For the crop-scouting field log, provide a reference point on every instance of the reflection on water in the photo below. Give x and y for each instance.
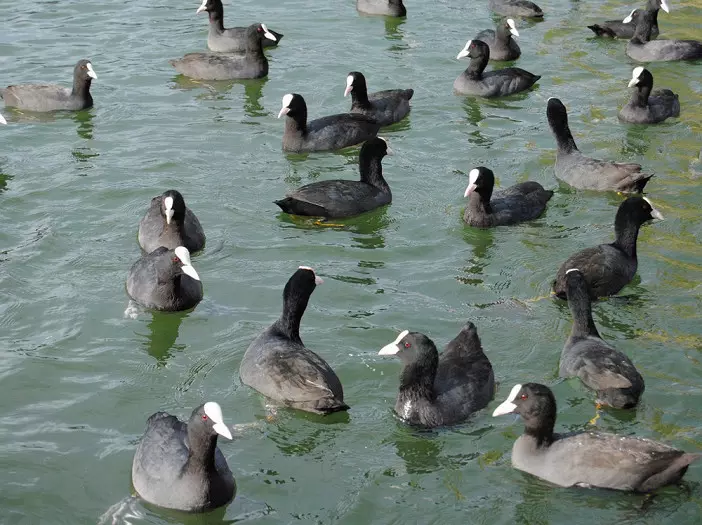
(253, 92)
(4, 178)
(420, 450)
(163, 333)
(637, 140)
(395, 34)
(312, 431)
(482, 239)
(219, 90)
(84, 119)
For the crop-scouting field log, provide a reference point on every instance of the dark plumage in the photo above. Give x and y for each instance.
(230, 40)
(165, 280)
(326, 133)
(179, 466)
(386, 107)
(645, 106)
(228, 66)
(278, 365)
(643, 49)
(585, 355)
(607, 268)
(496, 83)
(621, 29)
(586, 459)
(518, 203)
(444, 389)
(522, 8)
(502, 45)
(583, 172)
(345, 198)
(381, 7)
(50, 97)
(169, 222)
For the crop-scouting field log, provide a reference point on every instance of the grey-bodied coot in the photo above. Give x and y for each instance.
(165, 280)
(586, 459)
(643, 49)
(502, 45)
(386, 107)
(169, 222)
(584, 172)
(622, 29)
(326, 133)
(252, 63)
(230, 40)
(607, 268)
(646, 106)
(50, 97)
(496, 83)
(345, 198)
(278, 365)
(437, 390)
(600, 367)
(523, 8)
(381, 7)
(178, 465)
(522, 202)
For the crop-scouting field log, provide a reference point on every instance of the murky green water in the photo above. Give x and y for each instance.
(79, 379)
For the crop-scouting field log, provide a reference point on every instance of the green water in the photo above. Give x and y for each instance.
(78, 378)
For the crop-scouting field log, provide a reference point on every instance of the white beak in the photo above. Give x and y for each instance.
(512, 27)
(633, 82)
(202, 8)
(463, 53)
(470, 189)
(214, 412)
(349, 85)
(184, 255)
(629, 18)
(283, 111)
(168, 203)
(268, 34)
(508, 406)
(2, 120)
(91, 71)
(657, 214)
(394, 347)
(664, 6)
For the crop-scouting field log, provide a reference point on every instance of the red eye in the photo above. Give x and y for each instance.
(259, 29)
(175, 259)
(204, 417)
(523, 396)
(407, 345)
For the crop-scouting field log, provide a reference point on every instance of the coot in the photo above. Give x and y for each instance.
(523, 8)
(586, 459)
(169, 222)
(386, 107)
(279, 366)
(646, 107)
(502, 45)
(607, 268)
(381, 7)
(643, 49)
(444, 389)
(229, 40)
(621, 29)
(179, 466)
(583, 172)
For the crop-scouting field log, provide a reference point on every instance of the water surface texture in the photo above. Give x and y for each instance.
(79, 379)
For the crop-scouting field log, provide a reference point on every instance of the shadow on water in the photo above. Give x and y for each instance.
(163, 333)
(481, 239)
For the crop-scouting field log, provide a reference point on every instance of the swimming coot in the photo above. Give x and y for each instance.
(502, 45)
(621, 29)
(583, 172)
(607, 268)
(381, 7)
(496, 83)
(386, 107)
(179, 466)
(326, 133)
(643, 49)
(523, 8)
(229, 66)
(646, 107)
(230, 40)
(518, 203)
(444, 389)
(169, 222)
(585, 355)
(165, 280)
(279, 366)
(43, 97)
(586, 459)
(345, 198)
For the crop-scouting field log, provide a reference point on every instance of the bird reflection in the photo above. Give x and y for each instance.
(482, 239)
(419, 450)
(394, 33)
(4, 178)
(163, 333)
(219, 89)
(84, 119)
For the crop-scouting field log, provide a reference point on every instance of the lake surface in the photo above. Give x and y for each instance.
(79, 378)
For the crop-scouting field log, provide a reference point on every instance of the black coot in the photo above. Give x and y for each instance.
(583, 172)
(496, 83)
(607, 268)
(518, 203)
(230, 40)
(169, 222)
(381, 7)
(600, 367)
(502, 45)
(279, 366)
(386, 107)
(251, 63)
(444, 389)
(523, 8)
(326, 133)
(43, 97)
(586, 459)
(179, 466)
(622, 29)
(165, 280)
(643, 49)
(645, 106)
(345, 198)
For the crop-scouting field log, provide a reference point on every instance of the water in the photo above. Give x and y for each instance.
(79, 378)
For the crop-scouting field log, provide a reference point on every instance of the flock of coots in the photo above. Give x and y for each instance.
(178, 464)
